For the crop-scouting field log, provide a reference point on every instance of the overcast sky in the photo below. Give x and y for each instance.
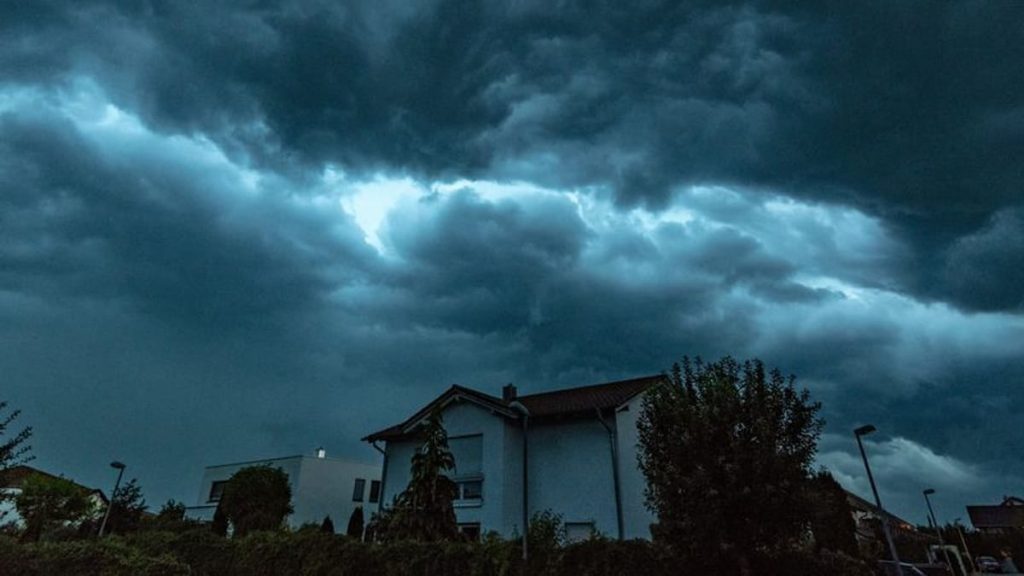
(235, 232)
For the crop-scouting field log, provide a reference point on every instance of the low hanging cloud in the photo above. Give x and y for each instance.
(903, 469)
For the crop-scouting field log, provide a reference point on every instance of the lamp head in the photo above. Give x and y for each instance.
(864, 430)
(929, 491)
(118, 465)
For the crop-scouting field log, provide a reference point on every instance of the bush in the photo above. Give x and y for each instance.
(603, 557)
(108, 557)
(807, 563)
(314, 553)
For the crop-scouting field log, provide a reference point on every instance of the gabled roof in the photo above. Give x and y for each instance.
(14, 477)
(586, 399)
(1009, 514)
(565, 402)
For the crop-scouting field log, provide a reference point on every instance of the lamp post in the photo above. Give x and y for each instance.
(120, 472)
(938, 532)
(864, 431)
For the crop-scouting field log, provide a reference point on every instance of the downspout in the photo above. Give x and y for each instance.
(526, 476)
(613, 444)
(383, 475)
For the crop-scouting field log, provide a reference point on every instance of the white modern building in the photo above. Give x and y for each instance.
(321, 487)
(572, 451)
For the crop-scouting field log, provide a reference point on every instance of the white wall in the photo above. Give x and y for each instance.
(571, 473)
(325, 487)
(570, 470)
(636, 518)
(463, 418)
(320, 487)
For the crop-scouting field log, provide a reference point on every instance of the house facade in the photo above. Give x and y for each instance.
(11, 482)
(321, 487)
(572, 451)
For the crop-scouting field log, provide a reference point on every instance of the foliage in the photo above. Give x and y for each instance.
(355, 523)
(219, 524)
(313, 553)
(14, 448)
(832, 521)
(327, 526)
(545, 537)
(126, 510)
(256, 498)
(171, 517)
(47, 503)
(604, 557)
(727, 449)
(424, 511)
(107, 557)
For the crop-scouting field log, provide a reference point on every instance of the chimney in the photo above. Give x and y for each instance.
(508, 392)
(321, 453)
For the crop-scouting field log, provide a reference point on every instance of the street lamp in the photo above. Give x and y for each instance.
(931, 515)
(110, 504)
(864, 431)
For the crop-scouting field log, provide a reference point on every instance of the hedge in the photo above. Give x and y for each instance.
(201, 553)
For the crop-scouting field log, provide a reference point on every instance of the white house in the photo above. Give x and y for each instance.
(572, 451)
(321, 487)
(11, 482)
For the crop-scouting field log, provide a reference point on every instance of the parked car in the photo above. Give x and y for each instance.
(988, 564)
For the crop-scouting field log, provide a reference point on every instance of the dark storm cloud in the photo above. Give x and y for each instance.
(174, 236)
(825, 185)
(881, 106)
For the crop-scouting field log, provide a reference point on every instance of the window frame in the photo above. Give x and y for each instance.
(460, 501)
(375, 489)
(359, 490)
(215, 495)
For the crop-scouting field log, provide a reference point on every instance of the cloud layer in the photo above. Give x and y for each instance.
(236, 231)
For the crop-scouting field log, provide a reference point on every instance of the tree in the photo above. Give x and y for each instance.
(170, 518)
(327, 526)
(46, 503)
(126, 508)
(14, 449)
(831, 521)
(726, 450)
(256, 498)
(219, 524)
(424, 511)
(355, 523)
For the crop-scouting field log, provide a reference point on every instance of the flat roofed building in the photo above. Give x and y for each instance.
(321, 487)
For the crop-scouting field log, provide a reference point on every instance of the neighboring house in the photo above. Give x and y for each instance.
(572, 451)
(11, 481)
(866, 517)
(999, 518)
(320, 486)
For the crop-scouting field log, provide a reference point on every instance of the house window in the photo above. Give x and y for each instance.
(470, 531)
(217, 490)
(374, 491)
(467, 451)
(468, 454)
(358, 489)
(469, 491)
